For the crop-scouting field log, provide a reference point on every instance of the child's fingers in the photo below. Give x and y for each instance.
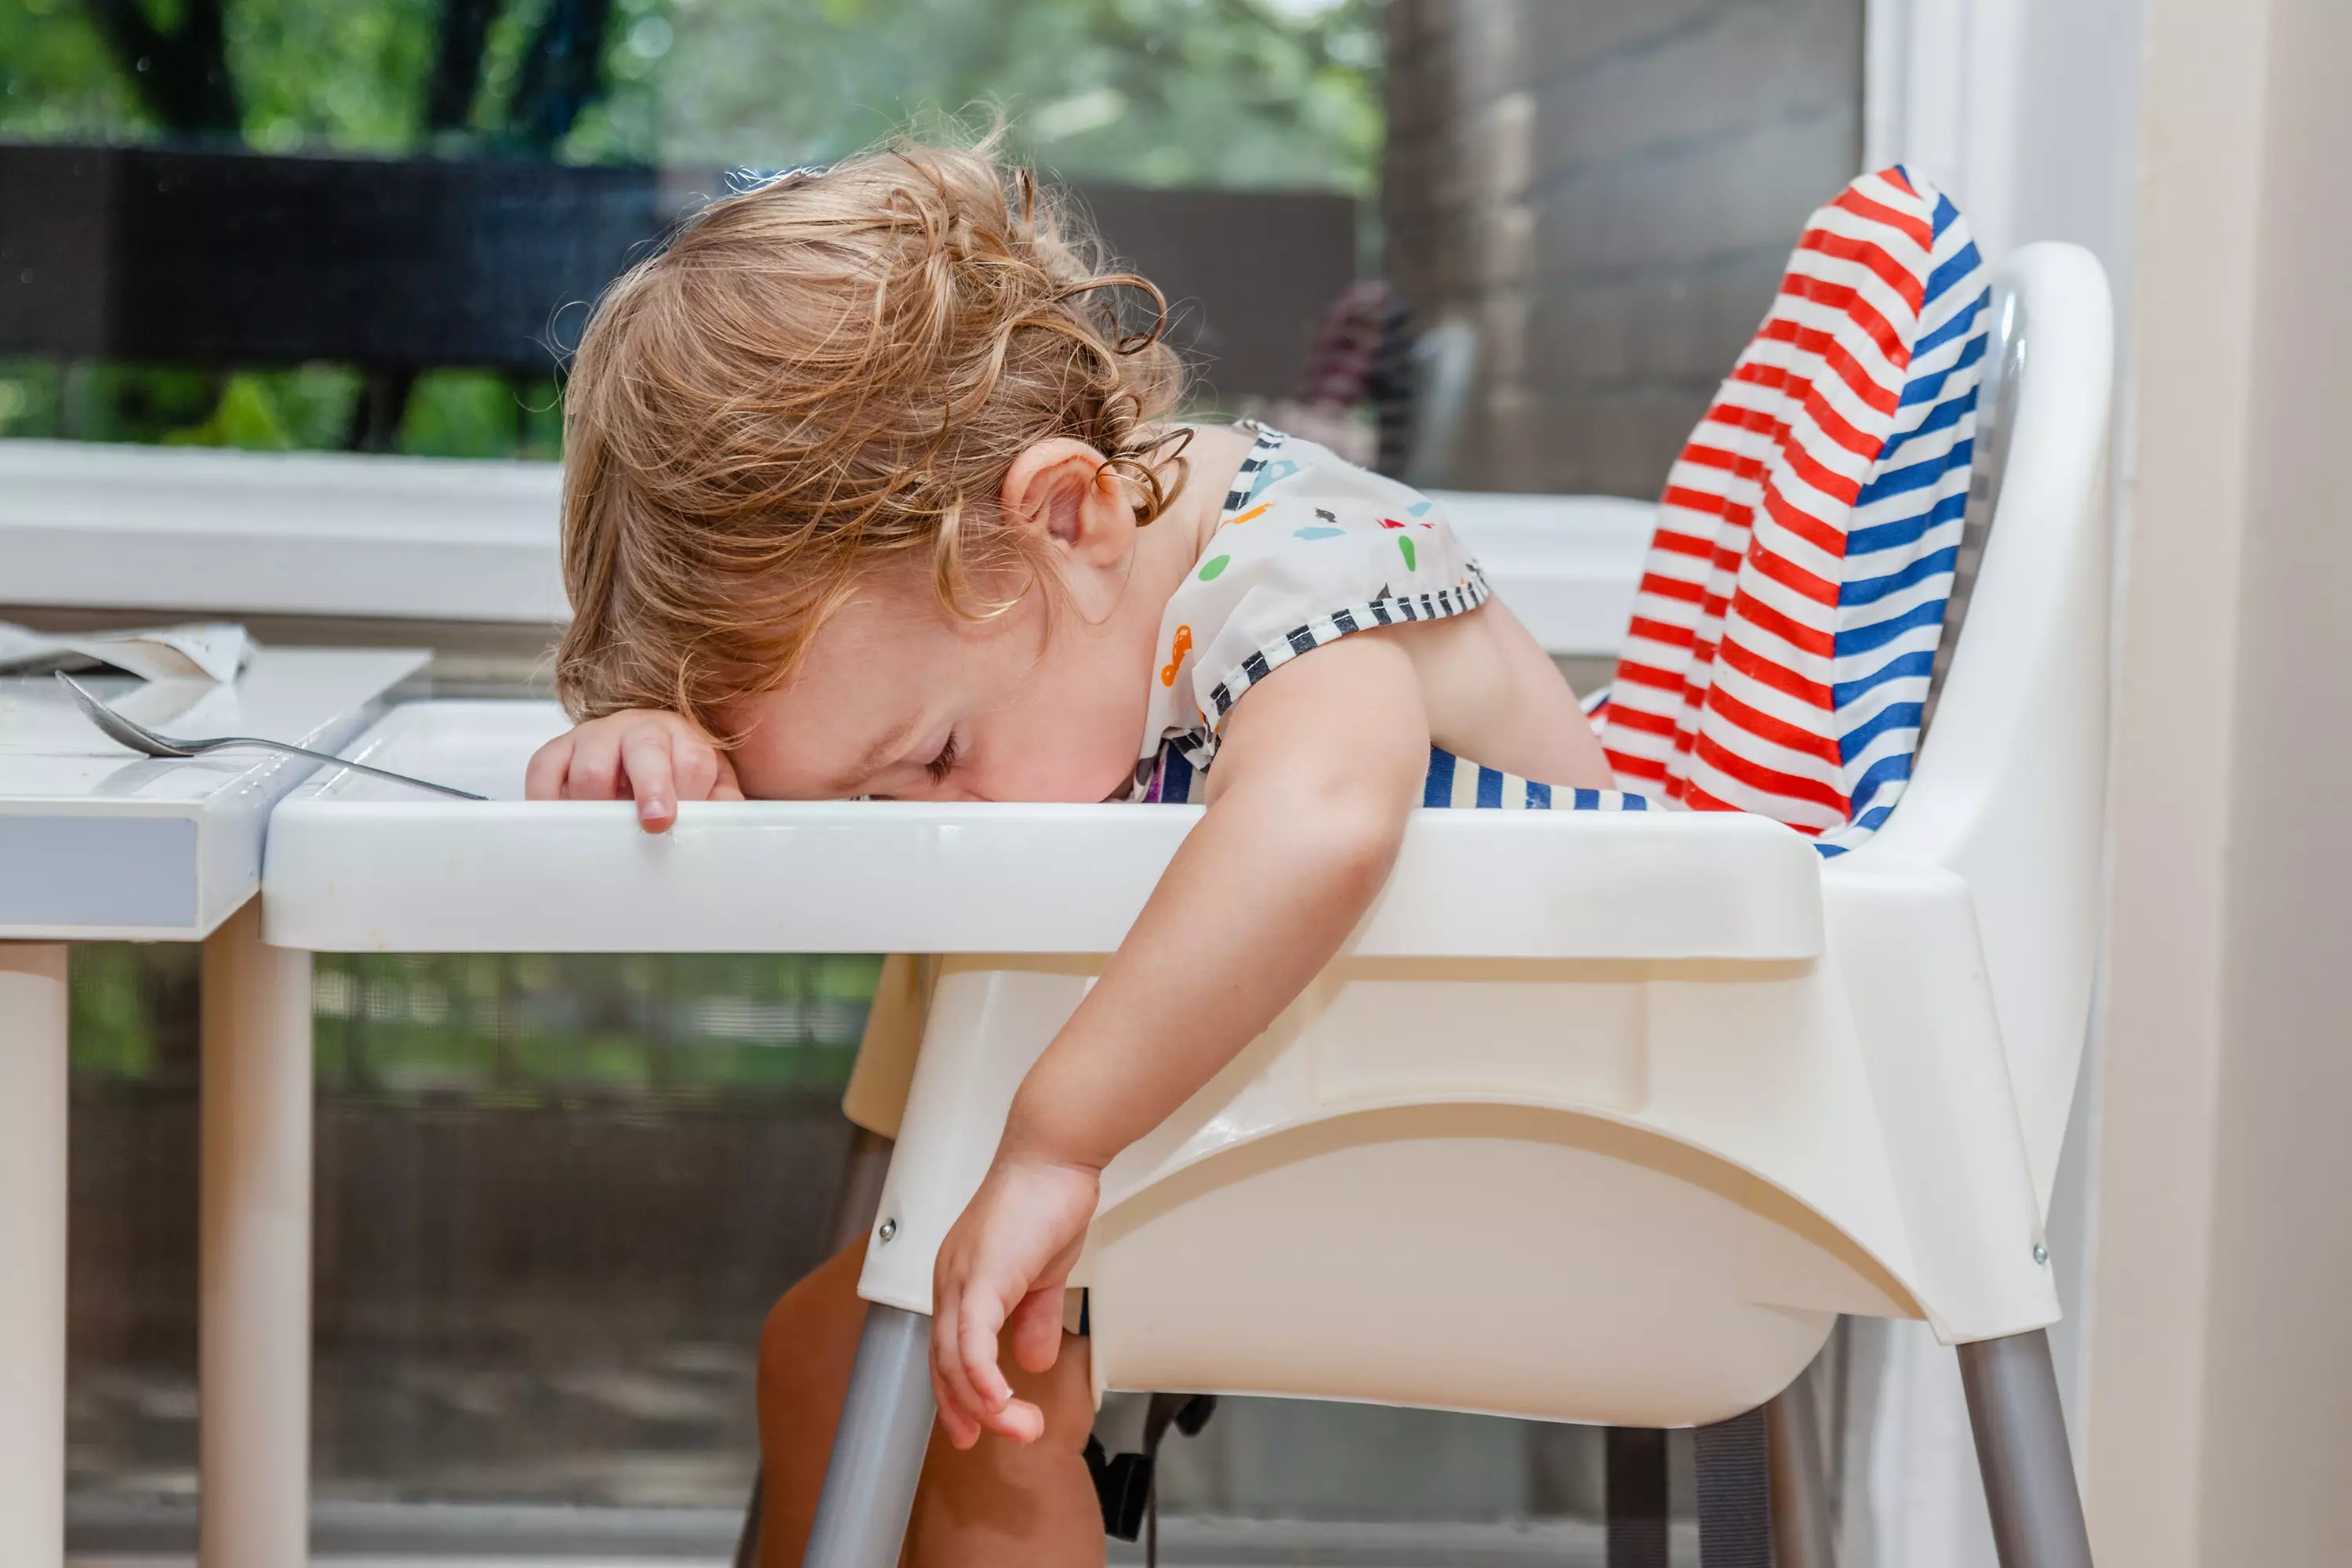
(975, 1343)
(727, 786)
(976, 1331)
(961, 1430)
(959, 1408)
(1019, 1422)
(595, 770)
(543, 779)
(695, 765)
(645, 755)
(1037, 1330)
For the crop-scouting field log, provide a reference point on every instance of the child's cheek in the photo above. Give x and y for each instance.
(1082, 765)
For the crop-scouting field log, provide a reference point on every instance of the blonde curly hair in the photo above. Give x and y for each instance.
(818, 377)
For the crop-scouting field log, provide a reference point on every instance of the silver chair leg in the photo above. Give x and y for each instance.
(877, 1451)
(862, 1174)
(1804, 1535)
(2029, 1471)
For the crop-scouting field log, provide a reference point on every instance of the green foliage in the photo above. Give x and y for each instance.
(268, 411)
(1225, 92)
(116, 402)
(30, 390)
(480, 414)
(57, 83)
(1214, 92)
(276, 411)
(331, 75)
(531, 1029)
(525, 1029)
(1219, 92)
(129, 1010)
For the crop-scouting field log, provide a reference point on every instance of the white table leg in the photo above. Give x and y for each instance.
(254, 1273)
(32, 1253)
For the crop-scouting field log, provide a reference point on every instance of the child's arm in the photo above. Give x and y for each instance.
(1321, 764)
(656, 758)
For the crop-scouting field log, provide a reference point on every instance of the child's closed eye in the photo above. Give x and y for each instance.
(940, 766)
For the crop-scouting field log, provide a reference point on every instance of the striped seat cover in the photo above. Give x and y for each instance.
(1785, 625)
(1788, 616)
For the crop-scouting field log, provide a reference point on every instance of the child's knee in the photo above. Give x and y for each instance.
(812, 1331)
(1064, 1393)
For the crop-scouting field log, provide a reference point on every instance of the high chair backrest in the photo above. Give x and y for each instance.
(2011, 787)
(1785, 634)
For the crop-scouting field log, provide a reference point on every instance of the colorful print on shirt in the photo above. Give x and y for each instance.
(1308, 548)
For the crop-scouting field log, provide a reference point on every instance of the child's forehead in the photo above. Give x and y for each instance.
(884, 641)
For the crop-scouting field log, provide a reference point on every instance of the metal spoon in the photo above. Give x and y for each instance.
(147, 743)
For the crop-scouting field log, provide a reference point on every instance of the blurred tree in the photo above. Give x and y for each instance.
(1214, 92)
(463, 35)
(1210, 92)
(181, 72)
(1251, 92)
(563, 72)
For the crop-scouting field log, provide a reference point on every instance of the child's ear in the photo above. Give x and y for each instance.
(1063, 490)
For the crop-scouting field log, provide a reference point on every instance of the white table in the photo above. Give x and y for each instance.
(97, 844)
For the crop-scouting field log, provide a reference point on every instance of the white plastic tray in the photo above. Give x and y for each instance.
(354, 865)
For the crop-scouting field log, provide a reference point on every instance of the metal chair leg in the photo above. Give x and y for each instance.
(2029, 1470)
(877, 1450)
(1804, 1535)
(861, 1175)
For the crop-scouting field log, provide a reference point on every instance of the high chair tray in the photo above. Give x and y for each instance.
(357, 864)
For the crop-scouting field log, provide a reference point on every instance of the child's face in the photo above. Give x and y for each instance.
(899, 699)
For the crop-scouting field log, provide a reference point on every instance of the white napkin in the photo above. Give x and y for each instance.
(198, 650)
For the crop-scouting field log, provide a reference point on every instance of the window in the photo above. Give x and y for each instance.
(329, 333)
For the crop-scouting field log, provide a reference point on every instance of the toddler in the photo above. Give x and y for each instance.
(867, 493)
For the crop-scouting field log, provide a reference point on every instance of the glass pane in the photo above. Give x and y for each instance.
(555, 1197)
(408, 304)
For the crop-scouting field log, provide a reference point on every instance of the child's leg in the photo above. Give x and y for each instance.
(995, 1504)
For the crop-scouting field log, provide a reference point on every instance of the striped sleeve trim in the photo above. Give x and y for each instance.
(1397, 610)
(1456, 783)
(1246, 477)
(1452, 784)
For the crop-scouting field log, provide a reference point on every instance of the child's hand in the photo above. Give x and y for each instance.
(1006, 1260)
(657, 758)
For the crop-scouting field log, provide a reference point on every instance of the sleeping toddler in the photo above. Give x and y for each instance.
(868, 494)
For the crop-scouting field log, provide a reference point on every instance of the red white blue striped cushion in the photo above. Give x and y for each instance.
(1787, 620)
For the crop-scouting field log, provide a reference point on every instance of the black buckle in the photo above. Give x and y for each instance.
(1123, 1487)
(1123, 1482)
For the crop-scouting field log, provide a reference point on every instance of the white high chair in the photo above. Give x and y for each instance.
(1599, 1117)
